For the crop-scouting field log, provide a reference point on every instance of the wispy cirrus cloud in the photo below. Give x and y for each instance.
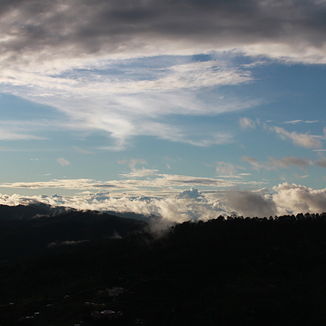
(226, 168)
(152, 180)
(128, 65)
(63, 162)
(282, 163)
(293, 122)
(303, 140)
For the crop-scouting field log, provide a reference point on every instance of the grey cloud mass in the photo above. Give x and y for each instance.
(284, 162)
(250, 203)
(322, 162)
(76, 28)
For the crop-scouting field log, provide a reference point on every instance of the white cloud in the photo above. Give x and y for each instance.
(191, 193)
(136, 172)
(226, 168)
(140, 173)
(299, 199)
(191, 203)
(300, 121)
(62, 161)
(303, 140)
(247, 123)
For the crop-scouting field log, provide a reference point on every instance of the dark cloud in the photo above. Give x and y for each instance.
(322, 162)
(283, 162)
(249, 203)
(290, 160)
(86, 27)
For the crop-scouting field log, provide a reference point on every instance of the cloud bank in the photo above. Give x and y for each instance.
(193, 204)
(293, 30)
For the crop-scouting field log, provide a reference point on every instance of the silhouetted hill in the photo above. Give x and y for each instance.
(26, 233)
(20, 212)
(135, 216)
(222, 272)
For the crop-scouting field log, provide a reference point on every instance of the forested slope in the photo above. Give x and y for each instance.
(231, 271)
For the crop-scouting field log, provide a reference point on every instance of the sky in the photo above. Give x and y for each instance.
(187, 109)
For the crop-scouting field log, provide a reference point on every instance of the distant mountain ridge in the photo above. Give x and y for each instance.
(33, 230)
(27, 211)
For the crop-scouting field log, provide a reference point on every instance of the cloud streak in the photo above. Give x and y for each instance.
(303, 140)
(282, 163)
(164, 182)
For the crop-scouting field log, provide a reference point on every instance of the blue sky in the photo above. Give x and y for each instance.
(186, 109)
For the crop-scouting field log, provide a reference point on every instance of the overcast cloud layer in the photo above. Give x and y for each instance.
(70, 30)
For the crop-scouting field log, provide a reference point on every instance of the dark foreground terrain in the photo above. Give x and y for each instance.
(231, 271)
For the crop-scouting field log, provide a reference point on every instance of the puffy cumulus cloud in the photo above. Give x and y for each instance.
(249, 203)
(191, 193)
(303, 140)
(299, 199)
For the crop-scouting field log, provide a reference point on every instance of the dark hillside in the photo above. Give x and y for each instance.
(21, 212)
(45, 234)
(222, 272)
